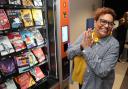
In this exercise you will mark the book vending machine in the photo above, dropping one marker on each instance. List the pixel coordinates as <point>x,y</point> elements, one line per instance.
<point>34,37</point>
<point>28,56</point>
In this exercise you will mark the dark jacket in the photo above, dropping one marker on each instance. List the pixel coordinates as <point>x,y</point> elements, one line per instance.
<point>120,34</point>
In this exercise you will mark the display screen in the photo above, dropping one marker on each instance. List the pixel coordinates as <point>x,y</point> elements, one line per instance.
<point>64,33</point>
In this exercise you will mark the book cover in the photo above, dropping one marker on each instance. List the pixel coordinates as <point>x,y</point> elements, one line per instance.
<point>27,17</point>
<point>15,18</point>
<point>28,38</point>
<point>7,66</point>
<point>38,52</point>
<point>3,1</point>
<point>16,40</point>
<point>15,2</point>
<point>37,36</point>
<point>37,73</point>
<point>10,84</point>
<point>24,80</point>
<point>4,22</point>
<point>38,3</point>
<point>37,16</point>
<point>22,62</point>
<point>5,46</point>
<point>31,58</point>
<point>27,2</point>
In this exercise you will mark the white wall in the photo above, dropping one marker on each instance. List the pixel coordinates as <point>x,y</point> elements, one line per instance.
<point>79,11</point>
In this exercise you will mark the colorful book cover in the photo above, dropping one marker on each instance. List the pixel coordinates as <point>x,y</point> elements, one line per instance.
<point>3,1</point>
<point>38,52</point>
<point>15,2</point>
<point>7,66</point>
<point>37,16</point>
<point>15,18</point>
<point>4,22</point>
<point>37,36</point>
<point>31,58</point>
<point>16,40</point>
<point>10,84</point>
<point>37,73</point>
<point>27,2</point>
<point>28,38</point>
<point>22,62</point>
<point>27,17</point>
<point>24,80</point>
<point>37,2</point>
<point>5,46</point>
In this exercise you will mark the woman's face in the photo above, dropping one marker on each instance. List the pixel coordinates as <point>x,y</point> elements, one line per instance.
<point>104,25</point>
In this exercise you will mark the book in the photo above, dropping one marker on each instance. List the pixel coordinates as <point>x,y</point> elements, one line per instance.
<point>27,3</point>
<point>15,2</point>
<point>27,17</point>
<point>28,38</point>
<point>37,73</point>
<point>22,62</point>
<point>37,36</point>
<point>24,80</point>
<point>37,16</point>
<point>7,66</point>
<point>5,46</point>
<point>31,58</point>
<point>38,52</point>
<point>10,84</point>
<point>3,2</point>
<point>4,22</point>
<point>16,41</point>
<point>38,3</point>
<point>15,18</point>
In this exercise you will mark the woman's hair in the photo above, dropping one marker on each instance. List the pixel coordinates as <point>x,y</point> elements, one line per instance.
<point>103,11</point>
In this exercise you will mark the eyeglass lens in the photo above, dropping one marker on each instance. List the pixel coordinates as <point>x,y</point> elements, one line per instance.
<point>104,22</point>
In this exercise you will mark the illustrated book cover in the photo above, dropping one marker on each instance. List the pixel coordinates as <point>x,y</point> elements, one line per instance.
<point>5,46</point>
<point>27,17</point>
<point>16,40</point>
<point>4,22</point>
<point>15,18</point>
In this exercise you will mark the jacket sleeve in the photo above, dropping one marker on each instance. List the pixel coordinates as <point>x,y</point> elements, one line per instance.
<point>74,49</point>
<point>102,66</point>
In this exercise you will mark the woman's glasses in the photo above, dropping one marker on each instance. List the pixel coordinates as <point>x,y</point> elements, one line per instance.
<point>104,22</point>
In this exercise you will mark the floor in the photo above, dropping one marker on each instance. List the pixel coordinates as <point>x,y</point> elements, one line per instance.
<point>121,69</point>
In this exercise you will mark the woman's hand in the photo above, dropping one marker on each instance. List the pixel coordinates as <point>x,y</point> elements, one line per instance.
<point>87,39</point>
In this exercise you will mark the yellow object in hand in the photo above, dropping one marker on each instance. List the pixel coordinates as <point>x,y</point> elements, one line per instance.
<point>80,67</point>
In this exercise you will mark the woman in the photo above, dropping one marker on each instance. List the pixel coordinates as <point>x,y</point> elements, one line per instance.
<point>100,50</point>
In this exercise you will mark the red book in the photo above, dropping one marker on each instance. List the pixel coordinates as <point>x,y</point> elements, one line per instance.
<point>4,22</point>
<point>24,80</point>
<point>16,40</point>
<point>37,73</point>
<point>38,52</point>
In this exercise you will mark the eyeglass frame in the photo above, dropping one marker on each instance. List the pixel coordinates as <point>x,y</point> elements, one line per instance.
<point>103,22</point>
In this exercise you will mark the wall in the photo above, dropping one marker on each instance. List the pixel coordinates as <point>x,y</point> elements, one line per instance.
<point>79,11</point>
